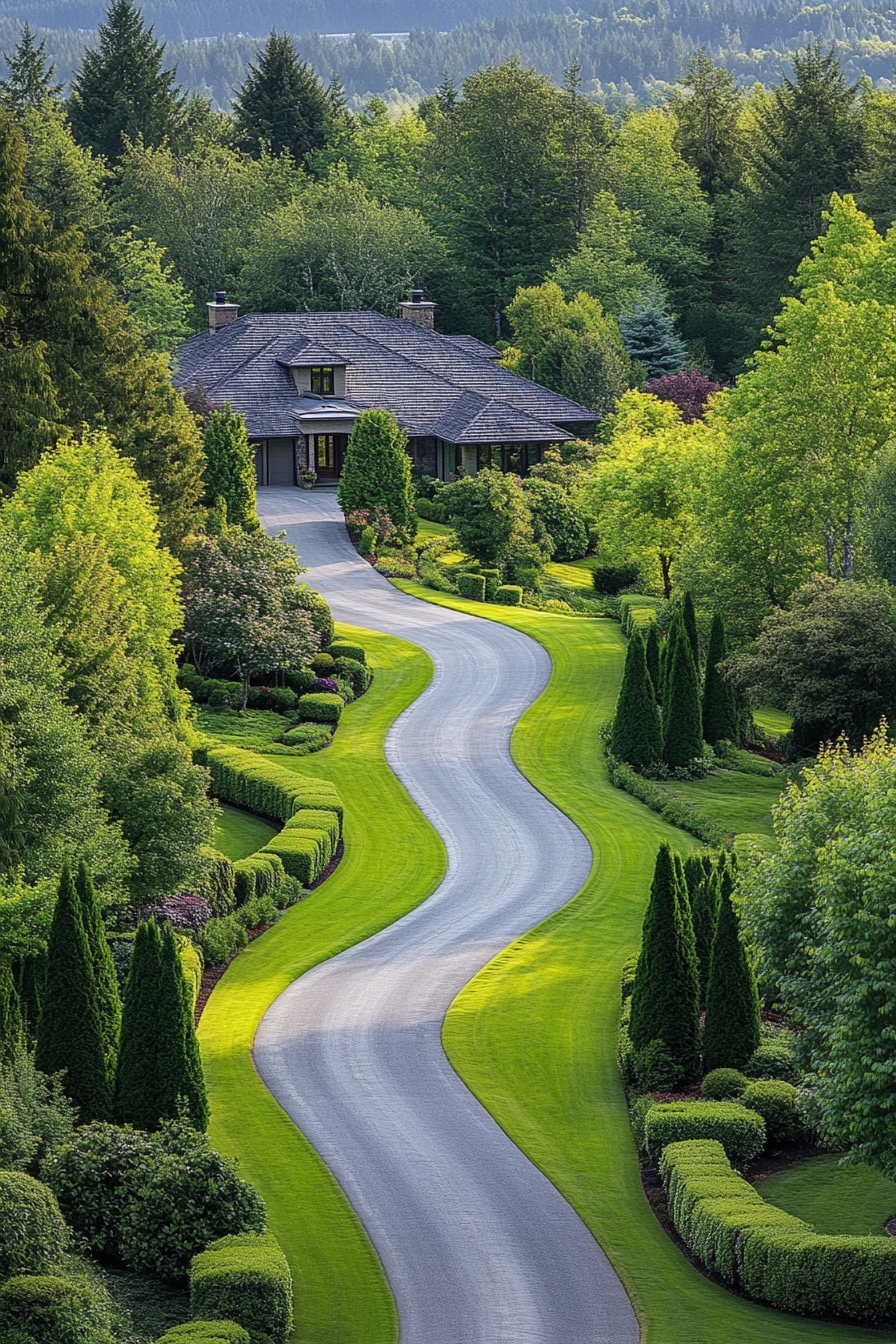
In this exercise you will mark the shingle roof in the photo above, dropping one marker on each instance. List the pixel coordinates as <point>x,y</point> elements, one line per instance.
<point>393,364</point>
<point>474,346</point>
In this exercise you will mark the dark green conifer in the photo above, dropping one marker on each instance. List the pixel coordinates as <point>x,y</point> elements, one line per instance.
<point>674,632</point>
<point>689,619</point>
<point>30,80</point>
<point>30,973</point>
<point>70,1033</point>
<point>731,1027</point>
<point>11,1032</point>
<point>652,653</point>
<point>282,103</point>
<point>705,914</point>
<point>720,708</point>
<point>178,1049</point>
<point>637,735</point>
<point>107,997</point>
<point>138,1098</point>
<point>682,718</point>
<point>230,467</point>
<point>664,996</point>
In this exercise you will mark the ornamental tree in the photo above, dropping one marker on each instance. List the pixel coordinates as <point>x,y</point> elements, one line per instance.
<point>720,709</point>
<point>108,1000</point>
<point>682,717</point>
<point>637,736</point>
<point>230,467</point>
<point>490,514</point>
<point>731,1027</point>
<point>377,472</point>
<point>648,334</point>
<point>138,1087</point>
<point>689,390</point>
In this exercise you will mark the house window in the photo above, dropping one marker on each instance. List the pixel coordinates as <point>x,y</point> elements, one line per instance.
<point>322,380</point>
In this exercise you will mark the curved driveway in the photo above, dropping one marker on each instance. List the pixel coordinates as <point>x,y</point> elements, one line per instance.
<point>478,1246</point>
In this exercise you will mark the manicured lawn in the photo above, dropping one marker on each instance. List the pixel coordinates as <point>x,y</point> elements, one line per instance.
<point>738,802</point>
<point>393,860</point>
<point>427,531</point>
<point>848,1201</point>
<point>249,728</point>
<point>773,721</point>
<point>534,1034</point>
<point>576,573</point>
<point>238,834</point>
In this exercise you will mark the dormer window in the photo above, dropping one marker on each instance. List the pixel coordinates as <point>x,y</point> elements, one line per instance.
<point>322,380</point>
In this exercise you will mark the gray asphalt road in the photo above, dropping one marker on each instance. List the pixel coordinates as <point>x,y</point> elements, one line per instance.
<point>477,1244</point>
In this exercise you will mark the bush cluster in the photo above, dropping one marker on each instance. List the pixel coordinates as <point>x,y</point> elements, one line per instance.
<point>778,1104</point>
<point>207,1332</point>
<point>50,1309</point>
<point>341,648</point>
<point>220,939</point>
<point>33,1234</point>
<point>353,671</point>
<point>741,1132</point>
<point>216,692</point>
<point>773,1059</point>
<point>244,1279</point>
<point>724,1085</point>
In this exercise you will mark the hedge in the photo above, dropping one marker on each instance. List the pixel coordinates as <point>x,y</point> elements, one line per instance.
<point>303,853</point>
<point>772,1059</point>
<point>219,939</point>
<point>679,814</point>
<point>355,672</point>
<point>311,736</point>
<point>341,649</point>
<point>471,586</point>
<point>33,1234</point>
<point>509,595</point>
<point>217,884</point>
<point>206,1332</point>
<point>492,582</point>
<point>248,780</point>
<point>191,965</point>
<point>740,1132</point>
<point>320,707</point>
<point>316,819</point>
<point>53,1310</point>
<point>244,1279</point>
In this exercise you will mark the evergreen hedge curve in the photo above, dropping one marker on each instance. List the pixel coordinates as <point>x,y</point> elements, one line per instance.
<point>248,780</point>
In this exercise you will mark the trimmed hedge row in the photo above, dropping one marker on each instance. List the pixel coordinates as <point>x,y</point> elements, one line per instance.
<point>636,612</point>
<point>740,1132</point>
<point>471,586</point>
<point>206,1332</point>
<point>245,1279</point>
<point>773,1256</point>
<point>247,780</point>
<point>52,1310</point>
<point>679,814</point>
<point>342,649</point>
<point>509,595</point>
<point>258,875</point>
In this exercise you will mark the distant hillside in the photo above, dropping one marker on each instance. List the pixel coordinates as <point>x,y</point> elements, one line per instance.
<point>625,53</point>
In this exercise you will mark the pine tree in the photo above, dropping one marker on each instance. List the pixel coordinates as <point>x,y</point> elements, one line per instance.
<point>377,471</point>
<point>682,720</point>
<point>178,1050</point>
<point>652,653</point>
<point>648,334</point>
<point>70,1031</point>
<point>121,91</point>
<point>107,997</point>
<point>30,80</point>
<point>720,708</point>
<point>11,1027</point>
<point>705,915</point>
<point>281,104</point>
<point>230,467</point>
<point>637,734</point>
<point>689,618</point>
<point>139,1092</point>
<point>731,1027</point>
<point>665,992</point>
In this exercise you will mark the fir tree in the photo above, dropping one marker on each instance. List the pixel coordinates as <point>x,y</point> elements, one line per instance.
<point>731,1027</point>
<point>637,734</point>
<point>11,1028</point>
<point>177,1048</point>
<point>230,467</point>
<point>689,619</point>
<point>665,992</point>
<point>70,1030</point>
<point>377,471</point>
<point>652,653</point>
<point>30,80</point>
<point>720,708</point>
<point>139,1092</point>
<point>108,999</point>
<point>648,334</point>
<point>281,104</point>
<point>705,914</point>
<point>121,91</point>
<point>682,720</point>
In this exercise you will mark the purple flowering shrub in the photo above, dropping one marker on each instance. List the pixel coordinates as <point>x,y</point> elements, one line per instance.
<point>326,684</point>
<point>186,913</point>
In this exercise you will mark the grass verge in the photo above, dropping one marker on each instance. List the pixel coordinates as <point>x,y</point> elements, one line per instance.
<point>534,1034</point>
<point>842,1201</point>
<point>239,834</point>
<point>393,860</point>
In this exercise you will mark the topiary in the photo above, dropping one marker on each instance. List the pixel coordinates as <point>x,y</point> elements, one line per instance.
<point>46,1309</point>
<point>33,1234</point>
<point>741,1132</point>
<point>244,1278</point>
<point>508,595</point>
<point>773,1059</point>
<point>207,1332</point>
<point>777,1103</point>
<point>731,1026</point>
<point>322,664</point>
<point>723,1085</point>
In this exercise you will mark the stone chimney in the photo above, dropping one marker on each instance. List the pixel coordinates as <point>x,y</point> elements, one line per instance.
<point>418,309</point>
<point>221,313</point>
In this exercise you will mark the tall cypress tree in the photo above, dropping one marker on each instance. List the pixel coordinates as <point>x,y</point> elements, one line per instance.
<point>682,718</point>
<point>720,714</point>
<point>230,467</point>
<point>282,103</point>
<point>673,634</point>
<point>665,992</point>
<point>637,734</point>
<point>121,89</point>
<point>731,1027</point>
<point>689,619</point>
<point>178,1049</point>
<point>652,653</point>
<point>70,1031</point>
<point>108,999</point>
<point>11,1030</point>
<point>138,1089</point>
<point>705,914</point>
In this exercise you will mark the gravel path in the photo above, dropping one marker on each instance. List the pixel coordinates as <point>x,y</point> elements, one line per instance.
<point>477,1244</point>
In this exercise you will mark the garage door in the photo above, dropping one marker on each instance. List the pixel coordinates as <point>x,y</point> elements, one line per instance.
<point>281,469</point>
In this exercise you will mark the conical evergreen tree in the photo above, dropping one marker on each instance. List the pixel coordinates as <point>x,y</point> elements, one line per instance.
<point>692,869</point>
<point>664,996</point>
<point>673,634</point>
<point>139,1092</point>
<point>30,80</point>
<point>648,334</point>
<point>652,653</point>
<point>121,89</point>
<point>70,1032</point>
<point>720,709</point>
<point>230,467</point>
<point>11,1031</point>
<point>637,735</point>
<point>178,1049</point>
<point>30,974</point>
<point>282,103</point>
<point>731,1027</point>
<point>682,719</point>
<point>108,999</point>
<point>689,617</point>
<point>705,915</point>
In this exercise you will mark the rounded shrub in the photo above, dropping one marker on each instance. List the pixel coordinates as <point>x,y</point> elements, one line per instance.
<point>302,681</point>
<point>777,1103</point>
<point>773,1059</point>
<point>279,698</point>
<point>321,707</point>
<point>207,1332</point>
<point>50,1310</point>
<point>723,1085</point>
<point>88,1175</point>
<point>33,1234</point>
<point>340,648</point>
<point>509,595</point>
<point>245,1279</point>
<point>322,664</point>
<point>471,586</point>
<point>355,672</point>
<point>257,912</point>
<point>741,1132</point>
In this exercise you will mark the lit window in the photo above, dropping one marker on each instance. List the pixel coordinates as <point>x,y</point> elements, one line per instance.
<point>322,381</point>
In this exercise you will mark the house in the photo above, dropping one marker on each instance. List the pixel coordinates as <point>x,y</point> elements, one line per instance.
<point>300,380</point>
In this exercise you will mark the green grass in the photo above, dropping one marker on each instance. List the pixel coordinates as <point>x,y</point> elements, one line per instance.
<point>773,721</point>
<point>847,1201</point>
<point>153,1305</point>
<point>427,531</point>
<point>393,860</point>
<point>738,802</point>
<point>250,728</point>
<point>534,1034</point>
<point>575,573</point>
<point>239,834</point>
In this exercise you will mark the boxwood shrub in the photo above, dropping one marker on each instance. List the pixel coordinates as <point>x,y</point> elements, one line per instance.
<point>740,1132</point>
<point>509,595</point>
<point>304,853</point>
<point>33,1234</point>
<point>46,1309</point>
<point>316,819</point>
<point>773,1059</point>
<point>724,1085</point>
<point>471,586</point>
<point>248,780</point>
<point>207,1332</point>
<point>320,707</point>
<point>322,664</point>
<point>355,673</point>
<point>340,648</point>
<point>777,1103</point>
<point>260,910</point>
<point>244,1279</point>
<point>312,736</point>
<point>815,1275</point>
<point>258,875</point>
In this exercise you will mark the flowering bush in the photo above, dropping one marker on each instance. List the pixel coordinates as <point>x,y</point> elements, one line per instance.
<point>689,390</point>
<point>327,684</point>
<point>185,912</point>
<point>383,527</point>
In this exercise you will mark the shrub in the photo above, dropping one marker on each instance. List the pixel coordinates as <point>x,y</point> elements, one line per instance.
<point>217,886</point>
<point>640,1108</point>
<point>259,875</point>
<point>367,541</point>
<point>777,1103</point>
<point>322,664</point>
<point>356,673</point>
<point>303,853</point>
<point>431,510</point>
<point>257,912</point>
<point>610,580</point>
<point>302,681</point>
<point>509,595</point>
<point>773,1060</point>
<point>627,979</point>
<point>249,781</point>
<point>279,698</point>
<point>207,1332</point>
<point>342,649</point>
<point>321,708</point>
<point>33,1234</point>
<point>492,582</point>
<point>396,567</point>
<point>655,1068</point>
<point>740,1132</point>
<point>723,1085</point>
<point>853,1277</point>
<point>314,736</point>
<point>315,819</point>
<point>220,939</point>
<point>89,1176</point>
<point>44,1309</point>
<point>471,586</point>
<point>244,1279</point>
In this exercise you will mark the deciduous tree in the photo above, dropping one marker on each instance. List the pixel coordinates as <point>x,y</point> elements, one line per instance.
<point>230,467</point>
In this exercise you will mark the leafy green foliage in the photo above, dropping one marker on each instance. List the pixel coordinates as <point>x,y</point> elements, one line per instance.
<point>772,1060</point>
<point>724,1085</point>
<point>731,1027</point>
<point>245,1279</point>
<point>230,467</point>
<point>557,514</point>
<point>33,1234</point>
<point>776,1102</point>
<point>490,515</point>
<point>637,736</point>
<point>54,1310</point>
<point>377,472</point>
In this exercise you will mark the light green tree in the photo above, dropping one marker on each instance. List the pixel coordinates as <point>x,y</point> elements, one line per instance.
<point>377,472</point>
<point>605,263</point>
<point>230,467</point>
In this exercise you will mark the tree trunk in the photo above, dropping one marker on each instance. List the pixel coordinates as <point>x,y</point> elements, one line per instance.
<point>848,565</point>
<point>666,567</point>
